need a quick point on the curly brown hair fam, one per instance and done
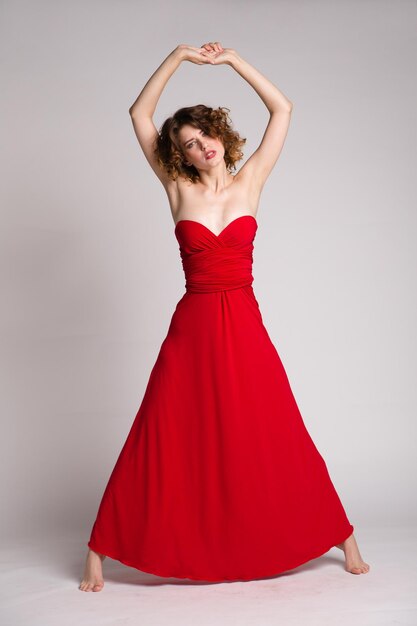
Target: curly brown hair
(215, 122)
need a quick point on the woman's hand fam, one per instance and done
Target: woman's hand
(199, 56)
(210, 53)
(217, 54)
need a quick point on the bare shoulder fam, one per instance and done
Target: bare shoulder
(247, 189)
(180, 192)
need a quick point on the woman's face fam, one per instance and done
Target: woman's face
(199, 149)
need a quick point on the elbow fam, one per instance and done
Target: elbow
(136, 111)
(281, 109)
(133, 110)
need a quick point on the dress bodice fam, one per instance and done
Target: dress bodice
(217, 262)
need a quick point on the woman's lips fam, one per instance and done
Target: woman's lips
(211, 154)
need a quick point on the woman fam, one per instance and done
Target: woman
(218, 478)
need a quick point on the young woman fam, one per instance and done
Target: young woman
(218, 478)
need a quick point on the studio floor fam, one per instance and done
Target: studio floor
(39, 587)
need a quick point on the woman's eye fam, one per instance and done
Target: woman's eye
(192, 142)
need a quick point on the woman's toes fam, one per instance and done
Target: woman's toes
(360, 569)
(86, 586)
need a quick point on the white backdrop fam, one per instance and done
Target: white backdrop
(90, 268)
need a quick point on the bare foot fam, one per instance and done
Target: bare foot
(353, 560)
(93, 572)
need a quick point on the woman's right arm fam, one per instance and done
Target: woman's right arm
(144, 106)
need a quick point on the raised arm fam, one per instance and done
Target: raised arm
(144, 106)
(261, 162)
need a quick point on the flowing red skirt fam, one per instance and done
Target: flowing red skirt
(218, 479)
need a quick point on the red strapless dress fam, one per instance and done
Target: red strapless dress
(218, 479)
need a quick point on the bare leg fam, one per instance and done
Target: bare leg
(353, 560)
(93, 572)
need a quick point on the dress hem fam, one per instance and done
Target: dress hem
(149, 570)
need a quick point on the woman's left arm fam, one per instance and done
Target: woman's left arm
(261, 162)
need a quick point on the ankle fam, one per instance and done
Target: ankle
(101, 556)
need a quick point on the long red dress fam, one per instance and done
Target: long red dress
(218, 479)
